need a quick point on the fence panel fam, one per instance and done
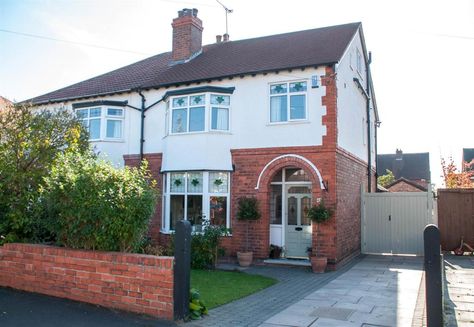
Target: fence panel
(455, 217)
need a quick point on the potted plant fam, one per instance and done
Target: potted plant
(247, 211)
(275, 251)
(318, 213)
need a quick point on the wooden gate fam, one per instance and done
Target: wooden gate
(456, 217)
(394, 222)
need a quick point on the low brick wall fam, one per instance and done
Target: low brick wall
(132, 282)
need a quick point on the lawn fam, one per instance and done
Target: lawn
(220, 287)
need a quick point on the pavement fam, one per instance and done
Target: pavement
(459, 290)
(24, 309)
(377, 291)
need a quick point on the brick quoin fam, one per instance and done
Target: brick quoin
(132, 282)
(343, 173)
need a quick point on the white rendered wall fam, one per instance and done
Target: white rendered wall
(249, 125)
(351, 105)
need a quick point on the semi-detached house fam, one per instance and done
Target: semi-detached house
(289, 118)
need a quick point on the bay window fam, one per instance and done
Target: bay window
(199, 113)
(196, 196)
(288, 101)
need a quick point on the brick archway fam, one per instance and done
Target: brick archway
(263, 189)
(285, 161)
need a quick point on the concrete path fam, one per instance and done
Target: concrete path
(377, 291)
(459, 291)
(295, 283)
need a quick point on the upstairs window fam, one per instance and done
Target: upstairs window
(189, 113)
(288, 101)
(103, 123)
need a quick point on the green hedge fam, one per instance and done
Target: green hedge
(90, 204)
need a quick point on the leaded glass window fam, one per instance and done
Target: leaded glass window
(288, 101)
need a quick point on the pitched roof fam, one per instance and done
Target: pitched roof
(313, 47)
(409, 182)
(411, 166)
(4, 102)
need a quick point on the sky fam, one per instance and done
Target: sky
(422, 53)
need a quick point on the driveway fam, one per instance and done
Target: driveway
(377, 291)
(23, 309)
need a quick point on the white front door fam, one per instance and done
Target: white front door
(298, 234)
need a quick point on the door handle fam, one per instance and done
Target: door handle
(299, 229)
(389, 217)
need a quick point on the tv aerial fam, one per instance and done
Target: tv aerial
(227, 11)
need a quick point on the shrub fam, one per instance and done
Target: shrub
(30, 141)
(205, 246)
(93, 205)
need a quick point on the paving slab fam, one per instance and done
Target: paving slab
(377, 291)
(459, 290)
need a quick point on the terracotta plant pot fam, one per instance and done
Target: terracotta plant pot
(245, 258)
(318, 264)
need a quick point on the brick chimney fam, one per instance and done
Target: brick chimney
(187, 35)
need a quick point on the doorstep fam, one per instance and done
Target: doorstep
(288, 262)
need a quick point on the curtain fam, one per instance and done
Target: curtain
(278, 108)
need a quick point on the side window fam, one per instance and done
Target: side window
(220, 112)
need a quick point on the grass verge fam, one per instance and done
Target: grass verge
(220, 287)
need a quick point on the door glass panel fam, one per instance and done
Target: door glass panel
(275, 205)
(296, 175)
(292, 211)
(176, 209)
(305, 205)
(218, 210)
(195, 212)
(278, 176)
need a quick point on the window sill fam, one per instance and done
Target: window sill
(107, 140)
(291, 122)
(199, 133)
(172, 232)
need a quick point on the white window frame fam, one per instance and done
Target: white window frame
(207, 113)
(206, 197)
(288, 104)
(104, 117)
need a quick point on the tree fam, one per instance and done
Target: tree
(30, 141)
(452, 177)
(386, 179)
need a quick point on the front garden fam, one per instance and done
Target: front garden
(55, 190)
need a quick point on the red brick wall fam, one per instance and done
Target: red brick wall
(351, 175)
(248, 165)
(132, 282)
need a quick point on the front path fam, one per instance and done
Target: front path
(377, 291)
(294, 284)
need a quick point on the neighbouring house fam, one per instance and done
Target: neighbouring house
(468, 161)
(4, 102)
(411, 171)
(290, 119)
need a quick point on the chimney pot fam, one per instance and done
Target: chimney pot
(226, 37)
(187, 35)
(218, 38)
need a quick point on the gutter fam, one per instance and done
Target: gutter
(142, 110)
